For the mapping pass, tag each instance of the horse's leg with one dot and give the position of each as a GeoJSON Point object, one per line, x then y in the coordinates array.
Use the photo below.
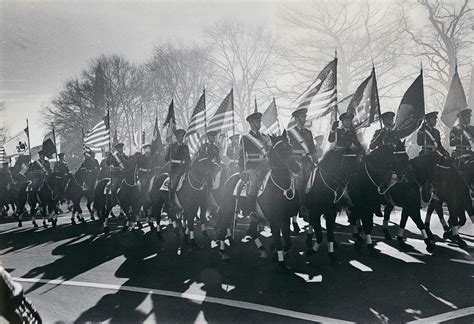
{"type": "Point", "coordinates": [203, 218]}
{"type": "Point", "coordinates": [386, 218]}
{"type": "Point", "coordinates": [44, 212]}
{"type": "Point", "coordinates": [354, 218]}
{"type": "Point", "coordinates": [416, 217]}
{"type": "Point", "coordinates": [368, 223]}
{"type": "Point", "coordinates": [401, 230]}
{"type": "Point", "coordinates": [456, 210]}
{"type": "Point", "coordinates": [315, 223]}
{"type": "Point", "coordinates": [330, 227]}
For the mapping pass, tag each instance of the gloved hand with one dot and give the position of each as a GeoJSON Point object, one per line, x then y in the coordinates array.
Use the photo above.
{"type": "Point", "coordinates": [335, 125]}
{"type": "Point", "coordinates": [244, 176]}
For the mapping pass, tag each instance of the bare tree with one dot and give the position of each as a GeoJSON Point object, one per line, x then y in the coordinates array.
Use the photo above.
{"type": "Point", "coordinates": [446, 39]}
{"type": "Point", "coordinates": [362, 33]}
{"type": "Point", "coordinates": [3, 124]}
{"type": "Point", "coordinates": [178, 72]}
{"type": "Point", "coordinates": [242, 55]}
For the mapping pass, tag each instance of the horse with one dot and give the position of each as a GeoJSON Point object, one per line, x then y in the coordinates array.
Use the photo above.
{"type": "Point", "coordinates": [128, 194]}
{"type": "Point", "coordinates": [276, 201]}
{"type": "Point", "coordinates": [73, 191]}
{"type": "Point", "coordinates": [327, 195]}
{"type": "Point", "coordinates": [373, 183]}
{"type": "Point", "coordinates": [405, 192]}
{"type": "Point", "coordinates": [44, 192]}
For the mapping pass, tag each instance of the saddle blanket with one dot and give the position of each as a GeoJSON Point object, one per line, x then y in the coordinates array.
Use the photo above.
{"type": "Point", "coordinates": [240, 188]}
{"type": "Point", "coordinates": [310, 182]}
{"type": "Point", "coordinates": [165, 186]}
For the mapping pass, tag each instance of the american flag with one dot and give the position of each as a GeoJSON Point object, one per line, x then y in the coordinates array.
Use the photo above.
{"type": "Point", "coordinates": [223, 119]}
{"type": "Point", "coordinates": [319, 98]}
{"type": "Point", "coordinates": [3, 154]}
{"type": "Point", "coordinates": [99, 136]}
{"type": "Point", "coordinates": [197, 124]}
{"type": "Point", "coordinates": [270, 119]}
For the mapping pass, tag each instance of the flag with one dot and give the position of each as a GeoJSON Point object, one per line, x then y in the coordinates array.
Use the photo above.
{"type": "Point", "coordinates": [197, 124]}
{"type": "Point", "coordinates": [99, 136]}
{"type": "Point", "coordinates": [156, 144]}
{"type": "Point", "coordinates": [49, 145]}
{"type": "Point", "coordinates": [17, 144]}
{"type": "Point", "coordinates": [223, 119]}
{"type": "Point", "coordinates": [364, 104]}
{"type": "Point", "coordinates": [455, 101]}
{"type": "Point", "coordinates": [3, 155]}
{"type": "Point", "coordinates": [270, 124]}
{"type": "Point", "coordinates": [170, 121]}
{"type": "Point", "coordinates": [412, 108]}
{"type": "Point", "coordinates": [471, 89]}
{"type": "Point", "coordinates": [319, 98]}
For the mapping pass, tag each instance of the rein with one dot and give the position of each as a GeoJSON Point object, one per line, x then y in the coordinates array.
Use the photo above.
{"type": "Point", "coordinates": [375, 184]}
{"type": "Point", "coordinates": [334, 191]}
{"type": "Point", "coordinates": [201, 183]}
{"type": "Point", "coordinates": [291, 188]}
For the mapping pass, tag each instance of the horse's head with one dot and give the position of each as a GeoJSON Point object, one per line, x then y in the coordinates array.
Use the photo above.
{"type": "Point", "coordinates": [281, 154]}
{"type": "Point", "coordinates": [387, 158]}
{"type": "Point", "coordinates": [80, 175]}
{"type": "Point", "coordinates": [202, 166]}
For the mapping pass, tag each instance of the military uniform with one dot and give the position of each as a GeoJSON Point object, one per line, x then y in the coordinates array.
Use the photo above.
{"type": "Point", "coordinates": [145, 167]}
{"type": "Point", "coordinates": [61, 168]}
{"type": "Point", "coordinates": [346, 140]}
{"type": "Point", "coordinates": [210, 151]}
{"type": "Point", "coordinates": [385, 136]}
{"type": "Point", "coordinates": [460, 138]}
{"type": "Point", "coordinates": [117, 162]}
{"type": "Point", "coordinates": [179, 158]}
{"type": "Point", "coordinates": [104, 169]}
{"type": "Point", "coordinates": [429, 139]}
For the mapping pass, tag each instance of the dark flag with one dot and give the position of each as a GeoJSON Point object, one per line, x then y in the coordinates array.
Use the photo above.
{"type": "Point", "coordinates": [170, 121]}
{"type": "Point", "coordinates": [156, 143]}
{"type": "Point", "coordinates": [412, 108]}
{"type": "Point", "coordinates": [364, 104]}
{"type": "Point", "coordinates": [49, 145]}
{"type": "Point", "coordinates": [455, 101]}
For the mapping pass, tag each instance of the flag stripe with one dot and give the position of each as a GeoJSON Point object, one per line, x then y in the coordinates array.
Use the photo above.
{"type": "Point", "coordinates": [197, 124]}
{"type": "Point", "coordinates": [97, 137]}
{"type": "Point", "coordinates": [223, 118]}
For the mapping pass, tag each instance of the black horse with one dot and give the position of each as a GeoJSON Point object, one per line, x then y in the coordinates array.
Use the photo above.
{"type": "Point", "coordinates": [74, 191]}
{"type": "Point", "coordinates": [276, 201]}
{"type": "Point", "coordinates": [328, 194]}
{"type": "Point", "coordinates": [404, 191]}
{"type": "Point", "coordinates": [44, 193]}
{"type": "Point", "coordinates": [128, 194]}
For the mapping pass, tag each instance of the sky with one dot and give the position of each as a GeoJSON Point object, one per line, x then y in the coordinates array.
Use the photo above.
{"type": "Point", "coordinates": [43, 44]}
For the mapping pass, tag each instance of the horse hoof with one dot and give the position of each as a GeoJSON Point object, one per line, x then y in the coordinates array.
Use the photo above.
{"type": "Point", "coordinates": [462, 244]}
{"type": "Point", "coordinates": [225, 257]}
{"type": "Point", "coordinates": [139, 225]}
{"type": "Point", "coordinates": [387, 235]}
{"type": "Point", "coordinates": [160, 236]}
{"type": "Point", "coordinates": [402, 245]}
{"type": "Point", "coordinates": [430, 247]}
{"type": "Point", "coordinates": [35, 224]}
{"type": "Point", "coordinates": [283, 268]}
{"type": "Point", "coordinates": [20, 224]}
{"type": "Point", "coordinates": [55, 222]}
{"type": "Point", "coordinates": [447, 234]}
{"type": "Point", "coordinates": [332, 258]}
{"type": "Point", "coordinates": [73, 222]}
{"type": "Point", "coordinates": [106, 230]}
{"type": "Point", "coordinates": [92, 219]}
{"type": "Point", "coordinates": [372, 250]}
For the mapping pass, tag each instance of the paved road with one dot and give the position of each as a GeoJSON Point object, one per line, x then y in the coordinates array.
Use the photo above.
{"type": "Point", "coordinates": [76, 274]}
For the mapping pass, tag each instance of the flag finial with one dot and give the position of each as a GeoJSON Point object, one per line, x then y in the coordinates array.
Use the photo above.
{"type": "Point", "coordinates": [255, 110]}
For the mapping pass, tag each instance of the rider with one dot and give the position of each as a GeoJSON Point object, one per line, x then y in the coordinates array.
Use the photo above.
{"type": "Point", "coordinates": [145, 168]}
{"type": "Point", "coordinates": [60, 167]}
{"type": "Point", "coordinates": [233, 151]}
{"type": "Point", "coordinates": [346, 140]}
{"type": "Point", "coordinates": [253, 158]}
{"type": "Point", "coordinates": [428, 137]}
{"type": "Point", "coordinates": [210, 151]}
{"type": "Point", "coordinates": [318, 141]}
{"type": "Point", "coordinates": [179, 157]}
{"type": "Point", "coordinates": [90, 164]}
{"type": "Point", "coordinates": [386, 135]}
{"type": "Point", "coordinates": [41, 164]}
{"type": "Point", "coordinates": [462, 134]}
{"type": "Point", "coordinates": [117, 162]}
{"type": "Point", "coordinates": [301, 139]}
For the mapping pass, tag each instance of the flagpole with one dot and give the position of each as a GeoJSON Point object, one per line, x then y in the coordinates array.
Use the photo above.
{"type": "Point", "coordinates": [28, 137]}
{"type": "Point", "coordinates": [205, 120]}
{"type": "Point", "coordinates": [335, 87]}
{"type": "Point", "coordinates": [55, 147]}
{"type": "Point", "coordinates": [233, 113]}
{"type": "Point", "coordinates": [141, 129]}
{"type": "Point", "coordinates": [374, 83]}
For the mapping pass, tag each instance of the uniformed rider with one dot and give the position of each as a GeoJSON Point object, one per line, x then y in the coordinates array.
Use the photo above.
{"type": "Point", "coordinates": [253, 162]}
{"type": "Point", "coordinates": [60, 167]}
{"type": "Point", "coordinates": [304, 149]}
{"type": "Point", "coordinates": [386, 136]}
{"type": "Point", "coordinates": [179, 158]}
{"type": "Point", "coordinates": [345, 137]}
{"type": "Point", "coordinates": [145, 168]}
{"type": "Point", "coordinates": [210, 151]}
{"type": "Point", "coordinates": [462, 135]}
{"type": "Point", "coordinates": [117, 162]}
